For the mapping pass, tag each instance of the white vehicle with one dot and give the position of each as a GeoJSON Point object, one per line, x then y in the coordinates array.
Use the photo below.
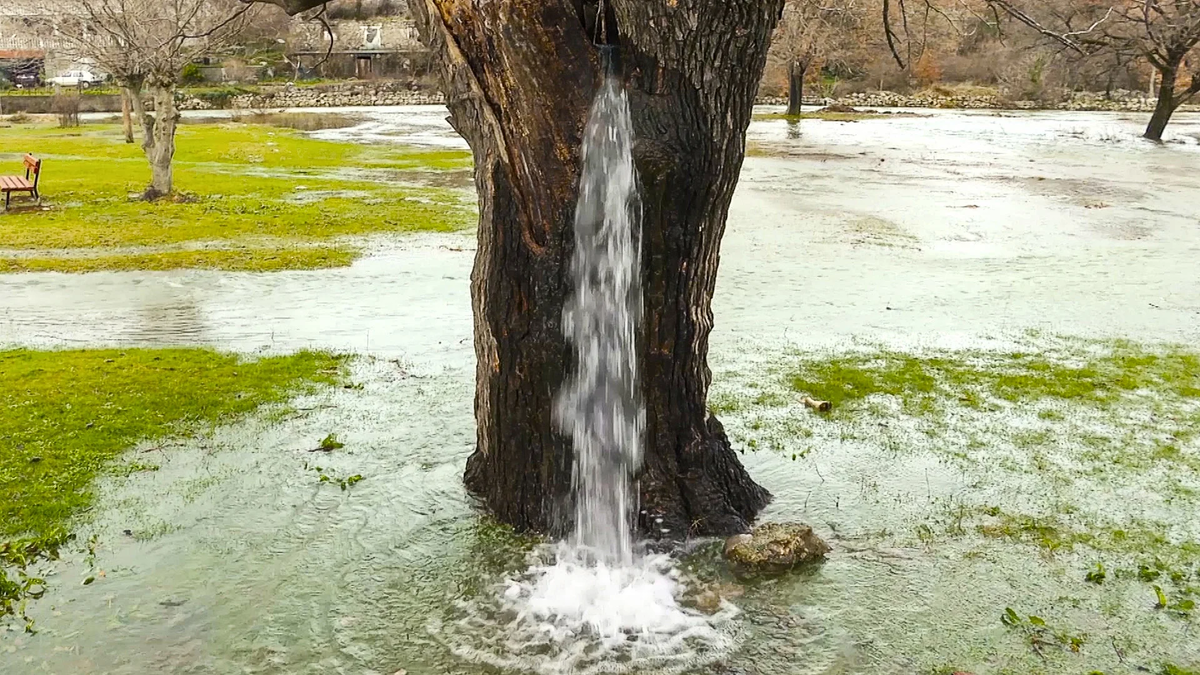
{"type": "Point", "coordinates": [77, 78]}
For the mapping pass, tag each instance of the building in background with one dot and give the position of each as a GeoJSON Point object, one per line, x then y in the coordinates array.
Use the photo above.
{"type": "Point", "coordinates": [22, 45]}
{"type": "Point", "coordinates": [365, 48]}
{"type": "Point", "coordinates": [370, 39]}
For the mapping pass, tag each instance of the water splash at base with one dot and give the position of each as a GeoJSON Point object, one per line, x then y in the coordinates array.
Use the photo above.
{"type": "Point", "coordinates": [568, 614]}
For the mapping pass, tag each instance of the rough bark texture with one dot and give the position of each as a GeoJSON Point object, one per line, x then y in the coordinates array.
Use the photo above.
{"type": "Point", "coordinates": [159, 143]}
{"type": "Point", "coordinates": [127, 115]}
{"type": "Point", "coordinates": [158, 133]}
{"type": "Point", "coordinates": [133, 93]}
{"type": "Point", "coordinates": [519, 77]}
{"type": "Point", "coordinates": [795, 88]}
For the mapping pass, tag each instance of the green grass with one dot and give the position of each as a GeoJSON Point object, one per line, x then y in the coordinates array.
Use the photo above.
{"type": "Point", "coordinates": [232, 260]}
{"type": "Point", "coordinates": [974, 379]}
{"type": "Point", "coordinates": [68, 414]}
{"type": "Point", "coordinates": [1052, 534]}
{"type": "Point", "coordinates": [247, 186]}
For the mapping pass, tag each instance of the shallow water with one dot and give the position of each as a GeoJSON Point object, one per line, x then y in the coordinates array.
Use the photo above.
{"type": "Point", "coordinates": [948, 227]}
{"type": "Point", "coordinates": [957, 230]}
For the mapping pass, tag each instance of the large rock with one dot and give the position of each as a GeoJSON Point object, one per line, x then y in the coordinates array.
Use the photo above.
{"type": "Point", "coordinates": [774, 548]}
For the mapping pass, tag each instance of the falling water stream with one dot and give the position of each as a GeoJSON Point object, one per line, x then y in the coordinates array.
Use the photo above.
{"type": "Point", "coordinates": [596, 602]}
{"type": "Point", "coordinates": [600, 406]}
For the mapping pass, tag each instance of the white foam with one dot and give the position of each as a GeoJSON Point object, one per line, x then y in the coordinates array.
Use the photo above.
{"type": "Point", "coordinates": [573, 615]}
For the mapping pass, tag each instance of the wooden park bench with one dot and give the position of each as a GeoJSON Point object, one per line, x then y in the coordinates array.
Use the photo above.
{"type": "Point", "coordinates": [11, 184]}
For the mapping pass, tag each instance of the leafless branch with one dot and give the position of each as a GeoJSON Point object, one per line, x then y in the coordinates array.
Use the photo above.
{"type": "Point", "coordinates": [890, 34]}
{"type": "Point", "coordinates": [1028, 20]}
{"type": "Point", "coordinates": [212, 31]}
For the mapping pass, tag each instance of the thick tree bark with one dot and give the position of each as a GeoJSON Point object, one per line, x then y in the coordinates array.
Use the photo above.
{"type": "Point", "coordinates": [1165, 106]}
{"type": "Point", "coordinates": [519, 77]}
{"type": "Point", "coordinates": [159, 140]}
{"type": "Point", "coordinates": [127, 115]}
{"type": "Point", "coordinates": [158, 133]}
{"type": "Point", "coordinates": [795, 88]}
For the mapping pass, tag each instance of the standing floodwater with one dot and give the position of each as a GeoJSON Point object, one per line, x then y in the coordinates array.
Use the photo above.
{"type": "Point", "coordinates": [600, 406]}
{"type": "Point", "coordinates": [595, 603]}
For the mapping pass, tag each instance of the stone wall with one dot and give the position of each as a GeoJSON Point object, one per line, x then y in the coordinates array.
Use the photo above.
{"type": "Point", "coordinates": [40, 105]}
{"type": "Point", "coordinates": [322, 96]}
{"type": "Point", "coordinates": [1122, 101]}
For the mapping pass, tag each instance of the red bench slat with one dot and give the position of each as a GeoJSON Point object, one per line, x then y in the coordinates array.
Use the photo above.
{"type": "Point", "coordinates": [14, 184]}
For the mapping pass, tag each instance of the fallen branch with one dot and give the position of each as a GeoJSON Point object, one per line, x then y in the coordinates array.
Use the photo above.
{"type": "Point", "coordinates": [819, 406]}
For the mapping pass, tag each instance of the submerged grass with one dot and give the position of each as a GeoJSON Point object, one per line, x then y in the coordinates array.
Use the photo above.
{"type": "Point", "coordinates": [232, 260]}
{"type": "Point", "coordinates": [302, 121]}
{"type": "Point", "coordinates": [68, 413]}
{"type": "Point", "coordinates": [1063, 477]}
{"type": "Point", "coordinates": [978, 380]}
{"type": "Point", "coordinates": [243, 185]}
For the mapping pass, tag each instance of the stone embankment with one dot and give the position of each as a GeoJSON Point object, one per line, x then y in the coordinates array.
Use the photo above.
{"type": "Point", "coordinates": [1121, 101]}
{"type": "Point", "coordinates": [390, 92]}
{"type": "Point", "coordinates": [320, 96]}
{"type": "Point", "coordinates": [341, 94]}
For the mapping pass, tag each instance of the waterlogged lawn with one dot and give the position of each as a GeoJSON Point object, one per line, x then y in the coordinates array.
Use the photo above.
{"type": "Point", "coordinates": [241, 259]}
{"type": "Point", "coordinates": [827, 115]}
{"type": "Point", "coordinates": [268, 194]}
{"type": "Point", "coordinates": [1052, 489]}
{"type": "Point", "coordinates": [67, 415]}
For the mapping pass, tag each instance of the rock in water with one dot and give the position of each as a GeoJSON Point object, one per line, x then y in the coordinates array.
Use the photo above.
{"type": "Point", "coordinates": [774, 548]}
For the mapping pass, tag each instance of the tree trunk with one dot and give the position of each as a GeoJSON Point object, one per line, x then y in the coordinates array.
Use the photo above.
{"type": "Point", "coordinates": [1165, 106]}
{"type": "Point", "coordinates": [795, 88]}
{"type": "Point", "coordinates": [159, 141]}
{"type": "Point", "coordinates": [127, 114]}
{"type": "Point", "coordinates": [519, 79]}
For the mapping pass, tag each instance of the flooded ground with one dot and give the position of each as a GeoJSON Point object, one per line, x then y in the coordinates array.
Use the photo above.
{"type": "Point", "coordinates": [976, 235]}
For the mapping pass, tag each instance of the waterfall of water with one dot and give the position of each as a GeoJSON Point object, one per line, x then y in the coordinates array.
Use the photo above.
{"type": "Point", "coordinates": [600, 406]}
{"type": "Point", "coordinates": [595, 604]}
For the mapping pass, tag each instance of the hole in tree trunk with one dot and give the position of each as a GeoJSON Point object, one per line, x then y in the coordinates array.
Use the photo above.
{"type": "Point", "coordinates": [601, 29]}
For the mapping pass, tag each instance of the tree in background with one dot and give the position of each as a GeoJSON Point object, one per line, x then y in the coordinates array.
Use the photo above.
{"type": "Point", "coordinates": [1164, 33]}
{"type": "Point", "coordinates": [927, 70]}
{"type": "Point", "coordinates": [809, 31]}
{"type": "Point", "coordinates": [144, 45]}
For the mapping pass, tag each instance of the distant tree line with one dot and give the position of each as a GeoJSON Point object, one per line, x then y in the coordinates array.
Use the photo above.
{"type": "Point", "coordinates": [1038, 50]}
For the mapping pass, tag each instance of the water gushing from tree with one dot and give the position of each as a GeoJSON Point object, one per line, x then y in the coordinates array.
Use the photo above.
{"type": "Point", "coordinates": [594, 603]}
{"type": "Point", "coordinates": [600, 405]}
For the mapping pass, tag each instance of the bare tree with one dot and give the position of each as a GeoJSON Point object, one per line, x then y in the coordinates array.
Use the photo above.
{"type": "Point", "coordinates": [804, 37]}
{"type": "Point", "coordinates": [1164, 33]}
{"type": "Point", "coordinates": [144, 45]}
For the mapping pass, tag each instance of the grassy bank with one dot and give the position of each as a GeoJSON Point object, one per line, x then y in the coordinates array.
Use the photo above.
{"type": "Point", "coordinates": [253, 197]}
{"type": "Point", "coordinates": [69, 414]}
